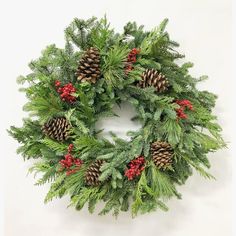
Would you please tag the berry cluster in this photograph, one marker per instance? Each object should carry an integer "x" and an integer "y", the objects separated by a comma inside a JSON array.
[
  {"x": 132, "y": 58},
  {"x": 136, "y": 166},
  {"x": 70, "y": 163},
  {"x": 183, "y": 105},
  {"x": 66, "y": 91}
]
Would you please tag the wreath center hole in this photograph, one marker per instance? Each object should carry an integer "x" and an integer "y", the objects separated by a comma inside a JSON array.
[{"x": 120, "y": 124}]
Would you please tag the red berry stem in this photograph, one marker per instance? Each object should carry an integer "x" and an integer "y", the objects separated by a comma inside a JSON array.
[
  {"x": 66, "y": 91},
  {"x": 132, "y": 58},
  {"x": 70, "y": 163},
  {"x": 136, "y": 167},
  {"x": 183, "y": 105}
]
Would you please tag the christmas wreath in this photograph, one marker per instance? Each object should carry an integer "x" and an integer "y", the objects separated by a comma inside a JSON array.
[{"x": 70, "y": 89}]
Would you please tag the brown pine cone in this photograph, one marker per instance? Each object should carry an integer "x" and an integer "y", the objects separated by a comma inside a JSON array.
[
  {"x": 57, "y": 128},
  {"x": 93, "y": 172},
  {"x": 162, "y": 154},
  {"x": 152, "y": 77},
  {"x": 89, "y": 66}
]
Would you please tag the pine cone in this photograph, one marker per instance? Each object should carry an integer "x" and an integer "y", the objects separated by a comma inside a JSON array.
[
  {"x": 152, "y": 77},
  {"x": 93, "y": 172},
  {"x": 89, "y": 66},
  {"x": 162, "y": 154},
  {"x": 57, "y": 128}
]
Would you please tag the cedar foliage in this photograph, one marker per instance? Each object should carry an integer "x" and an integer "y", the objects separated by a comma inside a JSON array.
[{"x": 191, "y": 139}]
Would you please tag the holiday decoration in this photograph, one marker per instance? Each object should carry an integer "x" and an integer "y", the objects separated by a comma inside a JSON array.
[
  {"x": 152, "y": 77},
  {"x": 183, "y": 105},
  {"x": 57, "y": 128},
  {"x": 136, "y": 166},
  {"x": 93, "y": 172},
  {"x": 161, "y": 153},
  {"x": 70, "y": 89},
  {"x": 132, "y": 58},
  {"x": 66, "y": 92},
  {"x": 89, "y": 66},
  {"x": 70, "y": 163}
]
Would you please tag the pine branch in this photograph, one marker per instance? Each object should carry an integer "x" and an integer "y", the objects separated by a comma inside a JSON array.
[
  {"x": 57, "y": 189},
  {"x": 198, "y": 168},
  {"x": 55, "y": 146},
  {"x": 172, "y": 131},
  {"x": 44, "y": 107},
  {"x": 113, "y": 65},
  {"x": 49, "y": 172},
  {"x": 78, "y": 31},
  {"x": 161, "y": 185},
  {"x": 144, "y": 196}
]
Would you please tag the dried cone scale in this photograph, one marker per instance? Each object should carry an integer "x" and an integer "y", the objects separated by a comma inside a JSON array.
[
  {"x": 152, "y": 77},
  {"x": 57, "y": 128},
  {"x": 162, "y": 154},
  {"x": 89, "y": 66},
  {"x": 93, "y": 172}
]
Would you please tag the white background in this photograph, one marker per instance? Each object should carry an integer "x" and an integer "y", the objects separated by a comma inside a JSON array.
[{"x": 203, "y": 28}]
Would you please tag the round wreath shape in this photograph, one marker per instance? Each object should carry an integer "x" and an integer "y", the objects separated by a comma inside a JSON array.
[{"x": 70, "y": 89}]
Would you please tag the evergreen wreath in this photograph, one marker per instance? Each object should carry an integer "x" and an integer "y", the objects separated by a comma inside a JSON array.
[{"x": 70, "y": 89}]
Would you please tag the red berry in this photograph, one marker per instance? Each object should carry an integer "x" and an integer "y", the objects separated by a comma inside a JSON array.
[
  {"x": 131, "y": 58},
  {"x": 136, "y": 166},
  {"x": 57, "y": 83},
  {"x": 183, "y": 105},
  {"x": 66, "y": 91}
]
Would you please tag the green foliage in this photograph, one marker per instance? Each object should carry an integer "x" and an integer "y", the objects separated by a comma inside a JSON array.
[
  {"x": 79, "y": 32},
  {"x": 113, "y": 65},
  {"x": 48, "y": 169},
  {"x": 54, "y": 146},
  {"x": 191, "y": 139},
  {"x": 136, "y": 32},
  {"x": 44, "y": 107},
  {"x": 57, "y": 189},
  {"x": 172, "y": 131},
  {"x": 161, "y": 183},
  {"x": 28, "y": 136},
  {"x": 145, "y": 196}
]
